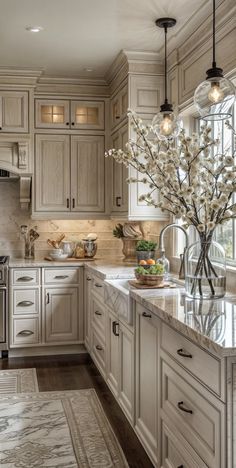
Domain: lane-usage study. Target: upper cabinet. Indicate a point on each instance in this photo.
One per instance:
(119, 106)
(14, 111)
(75, 115)
(119, 175)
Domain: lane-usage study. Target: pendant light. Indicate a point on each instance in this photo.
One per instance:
(215, 96)
(166, 124)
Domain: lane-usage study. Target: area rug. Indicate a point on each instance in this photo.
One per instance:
(57, 429)
(18, 381)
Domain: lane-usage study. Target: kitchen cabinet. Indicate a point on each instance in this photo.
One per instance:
(146, 383)
(14, 111)
(61, 311)
(69, 114)
(119, 106)
(69, 181)
(119, 175)
(126, 370)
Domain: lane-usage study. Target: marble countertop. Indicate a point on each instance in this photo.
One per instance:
(23, 263)
(209, 323)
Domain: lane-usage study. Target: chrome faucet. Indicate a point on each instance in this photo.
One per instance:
(163, 258)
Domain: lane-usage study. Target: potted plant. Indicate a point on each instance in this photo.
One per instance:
(129, 233)
(145, 250)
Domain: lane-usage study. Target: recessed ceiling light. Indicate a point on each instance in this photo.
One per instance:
(34, 29)
(88, 69)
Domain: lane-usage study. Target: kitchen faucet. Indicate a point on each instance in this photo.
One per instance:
(163, 260)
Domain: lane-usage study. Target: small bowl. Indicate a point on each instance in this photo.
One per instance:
(151, 280)
(55, 255)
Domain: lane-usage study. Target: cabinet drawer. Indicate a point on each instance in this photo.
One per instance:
(197, 418)
(98, 287)
(25, 301)
(25, 331)
(204, 366)
(174, 454)
(61, 276)
(25, 277)
(98, 316)
(98, 351)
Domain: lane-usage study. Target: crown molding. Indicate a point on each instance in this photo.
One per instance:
(10, 76)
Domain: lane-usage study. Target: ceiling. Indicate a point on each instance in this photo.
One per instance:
(79, 34)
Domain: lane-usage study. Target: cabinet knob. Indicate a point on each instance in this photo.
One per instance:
(73, 123)
(25, 333)
(183, 353)
(117, 117)
(67, 123)
(180, 466)
(180, 405)
(118, 200)
(145, 314)
(0, 128)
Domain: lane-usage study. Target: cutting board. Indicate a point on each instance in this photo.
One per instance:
(163, 285)
(71, 259)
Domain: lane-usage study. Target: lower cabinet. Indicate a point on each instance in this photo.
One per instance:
(146, 383)
(61, 312)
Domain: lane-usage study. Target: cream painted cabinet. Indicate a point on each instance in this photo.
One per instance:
(147, 371)
(61, 315)
(119, 175)
(74, 115)
(14, 112)
(113, 353)
(126, 371)
(52, 173)
(119, 106)
(87, 173)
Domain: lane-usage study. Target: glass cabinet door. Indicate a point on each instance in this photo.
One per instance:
(87, 115)
(52, 114)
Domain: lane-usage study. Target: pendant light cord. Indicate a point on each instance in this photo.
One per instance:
(166, 100)
(214, 35)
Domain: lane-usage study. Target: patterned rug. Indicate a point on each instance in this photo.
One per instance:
(57, 429)
(18, 381)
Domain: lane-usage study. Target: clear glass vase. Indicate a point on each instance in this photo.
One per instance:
(205, 270)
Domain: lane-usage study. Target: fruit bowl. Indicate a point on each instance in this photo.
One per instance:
(151, 276)
(151, 280)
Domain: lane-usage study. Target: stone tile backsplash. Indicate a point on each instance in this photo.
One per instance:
(12, 217)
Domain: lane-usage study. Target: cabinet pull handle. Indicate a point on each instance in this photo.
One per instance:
(97, 312)
(115, 327)
(88, 278)
(73, 203)
(25, 278)
(118, 199)
(67, 203)
(98, 285)
(99, 348)
(25, 333)
(183, 353)
(145, 314)
(61, 277)
(117, 117)
(47, 298)
(25, 304)
(182, 408)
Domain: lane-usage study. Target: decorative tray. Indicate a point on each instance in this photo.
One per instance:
(71, 259)
(163, 285)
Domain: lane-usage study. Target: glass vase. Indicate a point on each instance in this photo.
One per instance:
(205, 270)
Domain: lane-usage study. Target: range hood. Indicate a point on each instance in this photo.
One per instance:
(15, 164)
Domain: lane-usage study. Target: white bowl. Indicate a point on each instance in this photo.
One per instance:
(60, 256)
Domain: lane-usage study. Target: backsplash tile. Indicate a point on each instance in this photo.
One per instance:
(12, 217)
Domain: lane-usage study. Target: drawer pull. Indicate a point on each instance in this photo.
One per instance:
(99, 348)
(47, 298)
(115, 328)
(118, 201)
(183, 353)
(25, 278)
(25, 304)
(98, 285)
(182, 408)
(88, 278)
(25, 333)
(61, 277)
(145, 314)
(97, 312)
(180, 466)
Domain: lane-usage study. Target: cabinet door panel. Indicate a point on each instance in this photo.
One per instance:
(119, 175)
(87, 173)
(113, 353)
(52, 173)
(126, 369)
(61, 314)
(51, 113)
(87, 115)
(14, 110)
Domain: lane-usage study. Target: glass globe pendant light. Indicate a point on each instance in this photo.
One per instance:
(166, 124)
(215, 96)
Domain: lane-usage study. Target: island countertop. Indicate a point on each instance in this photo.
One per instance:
(209, 323)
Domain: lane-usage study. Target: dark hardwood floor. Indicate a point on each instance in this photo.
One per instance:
(74, 372)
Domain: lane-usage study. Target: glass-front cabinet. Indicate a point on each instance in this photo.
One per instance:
(62, 114)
